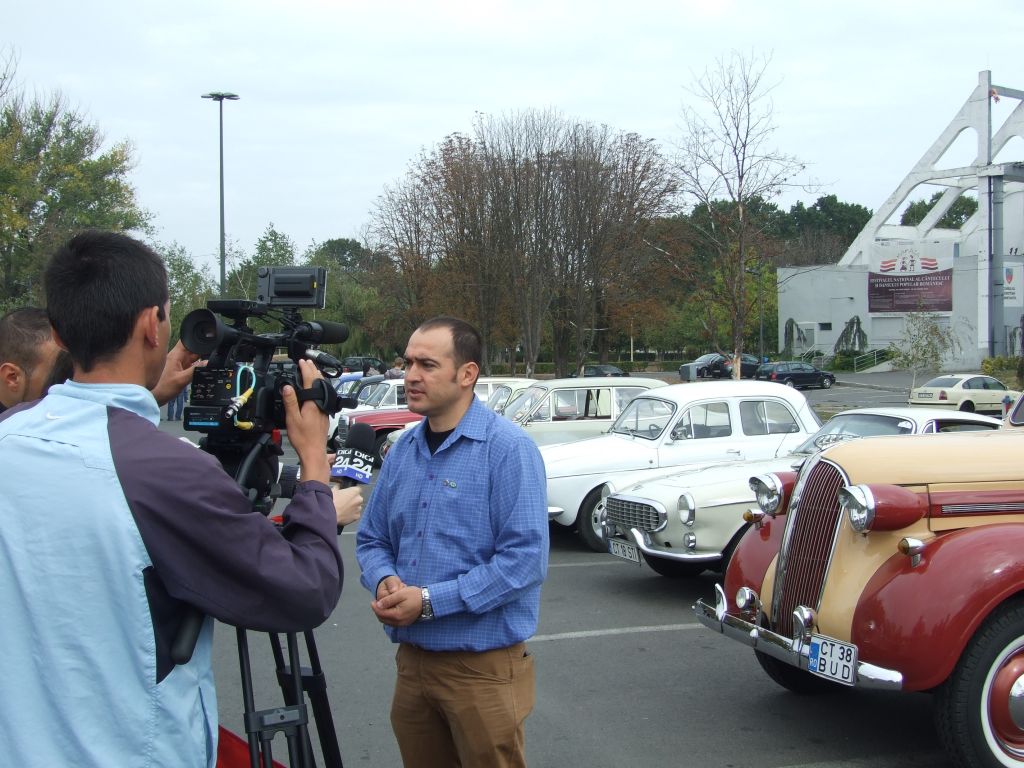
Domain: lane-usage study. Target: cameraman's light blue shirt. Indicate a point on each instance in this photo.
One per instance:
(470, 523)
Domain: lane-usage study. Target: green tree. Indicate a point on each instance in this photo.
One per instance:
(959, 212)
(55, 180)
(925, 342)
(821, 233)
(190, 287)
(273, 249)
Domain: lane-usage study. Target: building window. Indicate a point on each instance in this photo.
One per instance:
(824, 326)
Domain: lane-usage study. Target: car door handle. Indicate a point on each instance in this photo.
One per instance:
(737, 451)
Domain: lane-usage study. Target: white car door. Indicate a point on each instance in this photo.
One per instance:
(725, 430)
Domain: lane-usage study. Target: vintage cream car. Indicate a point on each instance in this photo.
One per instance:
(683, 424)
(894, 563)
(691, 520)
(564, 410)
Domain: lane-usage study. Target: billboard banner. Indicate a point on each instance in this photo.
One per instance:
(911, 276)
(1013, 296)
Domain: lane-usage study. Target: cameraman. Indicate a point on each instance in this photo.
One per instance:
(111, 530)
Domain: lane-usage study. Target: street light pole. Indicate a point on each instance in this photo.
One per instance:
(219, 97)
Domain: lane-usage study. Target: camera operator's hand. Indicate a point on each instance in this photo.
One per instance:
(307, 427)
(177, 374)
(348, 503)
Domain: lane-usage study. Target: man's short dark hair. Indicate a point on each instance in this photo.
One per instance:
(96, 286)
(465, 338)
(22, 333)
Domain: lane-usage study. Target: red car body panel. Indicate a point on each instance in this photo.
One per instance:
(918, 620)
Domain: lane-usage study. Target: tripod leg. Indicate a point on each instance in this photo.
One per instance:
(316, 688)
(247, 696)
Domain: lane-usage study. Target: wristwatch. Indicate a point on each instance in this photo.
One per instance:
(427, 612)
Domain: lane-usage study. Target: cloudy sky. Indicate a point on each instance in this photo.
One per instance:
(338, 97)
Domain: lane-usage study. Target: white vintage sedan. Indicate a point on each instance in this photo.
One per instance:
(684, 424)
(686, 522)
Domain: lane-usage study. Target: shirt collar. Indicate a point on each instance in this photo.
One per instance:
(473, 425)
(130, 397)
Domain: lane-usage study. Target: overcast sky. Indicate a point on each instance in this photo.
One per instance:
(338, 97)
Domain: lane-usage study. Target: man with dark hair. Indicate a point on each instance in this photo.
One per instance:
(28, 354)
(113, 531)
(454, 548)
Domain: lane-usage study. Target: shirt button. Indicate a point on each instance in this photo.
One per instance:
(424, 503)
(413, 563)
(419, 534)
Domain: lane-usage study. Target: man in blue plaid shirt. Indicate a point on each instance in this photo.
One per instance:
(454, 547)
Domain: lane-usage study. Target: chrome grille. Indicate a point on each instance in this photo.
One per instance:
(807, 547)
(627, 512)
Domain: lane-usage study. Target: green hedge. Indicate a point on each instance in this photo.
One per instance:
(1009, 370)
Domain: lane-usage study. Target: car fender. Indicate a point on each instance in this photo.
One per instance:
(918, 619)
(754, 554)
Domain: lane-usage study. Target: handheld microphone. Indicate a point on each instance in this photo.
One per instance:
(354, 463)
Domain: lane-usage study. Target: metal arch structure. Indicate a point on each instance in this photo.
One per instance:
(992, 182)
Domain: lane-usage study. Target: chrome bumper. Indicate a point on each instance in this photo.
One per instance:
(792, 652)
(637, 538)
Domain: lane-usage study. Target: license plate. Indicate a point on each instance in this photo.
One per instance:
(624, 550)
(924, 395)
(833, 660)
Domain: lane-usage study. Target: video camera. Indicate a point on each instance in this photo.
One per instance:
(236, 398)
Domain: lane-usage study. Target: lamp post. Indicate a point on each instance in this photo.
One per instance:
(219, 97)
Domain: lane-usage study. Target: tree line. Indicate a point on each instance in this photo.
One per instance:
(559, 239)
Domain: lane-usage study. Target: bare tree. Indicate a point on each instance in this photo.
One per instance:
(726, 165)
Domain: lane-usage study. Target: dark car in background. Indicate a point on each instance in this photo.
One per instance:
(795, 373)
(358, 362)
(715, 365)
(600, 370)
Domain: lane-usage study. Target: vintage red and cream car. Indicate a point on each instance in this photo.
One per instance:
(893, 563)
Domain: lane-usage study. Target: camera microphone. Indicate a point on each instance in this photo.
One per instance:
(354, 463)
(327, 363)
(321, 332)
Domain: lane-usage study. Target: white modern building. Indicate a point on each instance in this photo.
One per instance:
(971, 278)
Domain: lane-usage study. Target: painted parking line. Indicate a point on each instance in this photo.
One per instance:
(607, 632)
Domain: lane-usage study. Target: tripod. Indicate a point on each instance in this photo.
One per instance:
(292, 720)
(261, 726)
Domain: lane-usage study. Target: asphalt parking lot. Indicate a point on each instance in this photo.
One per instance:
(626, 676)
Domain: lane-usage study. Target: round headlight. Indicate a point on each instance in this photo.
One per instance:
(768, 492)
(687, 509)
(859, 505)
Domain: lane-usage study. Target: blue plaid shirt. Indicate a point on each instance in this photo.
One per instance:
(470, 523)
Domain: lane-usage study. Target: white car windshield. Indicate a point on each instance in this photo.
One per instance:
(855, 425)
(645, 417)
(523, 405)
(377, 395)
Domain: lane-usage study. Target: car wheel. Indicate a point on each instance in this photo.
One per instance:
(826, 382)
(672, 568)
(588, 523)
(789, 383)
(967, 406)
(794, 679)
(976, 708)
(702, 372)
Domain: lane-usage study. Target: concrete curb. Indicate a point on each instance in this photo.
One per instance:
(881, 387)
